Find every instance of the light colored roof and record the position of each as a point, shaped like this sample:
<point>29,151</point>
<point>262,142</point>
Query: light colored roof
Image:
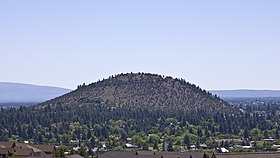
<point>6,144</point>
<point>44,147</point>
<point>128,145</point>
<point>21,145</point>
<point>6,150</point>
<point>224,150</point>
<point>36,150</point>
<point>247,147</point>
<point>23,152</point>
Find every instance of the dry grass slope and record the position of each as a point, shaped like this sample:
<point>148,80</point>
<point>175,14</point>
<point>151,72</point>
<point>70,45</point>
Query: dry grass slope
<point>138,90</point>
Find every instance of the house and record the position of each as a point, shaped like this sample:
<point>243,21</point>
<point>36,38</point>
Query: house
<point>7,144</point>
<point>6,152</point>
<point>22,150</point>
<point>269,140</point>
<point>129,139</point>
<point>249,155</point>
<point>127,145</point>
<point>193,147</point>
<point>222,150</point>
<point>247,147</point>
<point>145,148</point>
<point>94,151</point>
<point>203,146</point>
<point>48,150</point>
<point>75,142</point>
<point>6,149</point>
<point>149,154</point>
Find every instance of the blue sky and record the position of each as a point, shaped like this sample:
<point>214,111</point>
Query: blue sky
<point>216,44</point>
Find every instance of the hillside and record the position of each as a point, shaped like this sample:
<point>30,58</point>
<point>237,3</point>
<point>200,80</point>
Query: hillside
<point>246,93</point>
<point>125,106</point>
<point>17,92</point>
<point>143,90</point>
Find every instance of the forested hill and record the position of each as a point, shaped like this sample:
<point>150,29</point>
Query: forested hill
<point>139,102</point>
<point>139,90</point>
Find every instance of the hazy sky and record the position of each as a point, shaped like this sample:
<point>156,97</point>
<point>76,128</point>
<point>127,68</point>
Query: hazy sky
<point>217,44</point>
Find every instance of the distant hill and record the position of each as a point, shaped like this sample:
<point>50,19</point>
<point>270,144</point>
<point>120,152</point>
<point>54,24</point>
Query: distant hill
<point>17,92</point>
<point>139,90</point>
<point>134,102</point>
<point>246,93</point>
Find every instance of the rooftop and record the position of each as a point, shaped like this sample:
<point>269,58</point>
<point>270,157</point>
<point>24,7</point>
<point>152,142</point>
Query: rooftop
<point>149,154</point>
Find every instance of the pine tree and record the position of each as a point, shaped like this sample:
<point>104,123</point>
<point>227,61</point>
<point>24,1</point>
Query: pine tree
<point>199,132</point>
<point>187,140</point>
<point>155,146</point>
<point>207,134</point>
<point>170,147</point>
<point>205,155</point>
<point>277,134</point>
<point>246,134</point>
<point>213,156</point>
<point>266,134</point>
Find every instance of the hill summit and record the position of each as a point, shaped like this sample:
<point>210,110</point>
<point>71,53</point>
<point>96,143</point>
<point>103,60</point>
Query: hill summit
<point>142,90</point>
<point>124,106</point>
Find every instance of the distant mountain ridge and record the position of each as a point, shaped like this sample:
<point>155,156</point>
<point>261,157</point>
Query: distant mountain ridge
<point>18,92</point>
<point>246,93</point>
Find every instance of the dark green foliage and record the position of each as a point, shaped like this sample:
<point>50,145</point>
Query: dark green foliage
<point>155,147</point>
<point>266,134</point>
<point>277,134</point>
<point>145,98</point>
<point>199,132</point>
<point>205,155</point>
<point>133,105</point>
<point>207,134</point>
<point>163,146</point>
<point>213,156</point>
<point>170,146</point>
<point>246,134</point>
<point>187,140</point>
<point>59,152</point>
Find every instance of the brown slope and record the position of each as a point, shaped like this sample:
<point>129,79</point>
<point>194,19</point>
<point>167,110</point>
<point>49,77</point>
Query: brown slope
<point>139,90</point>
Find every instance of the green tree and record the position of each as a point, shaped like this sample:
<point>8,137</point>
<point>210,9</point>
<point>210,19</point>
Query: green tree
<point>59,152</point>
<point>92,142</point>
<point>277,133</point>
<point>163,146</point>
<point>246,134</point>
<point>65,138</point>
<point>83,152</point>
<point>155,146</point>
<point>266,134</point>
<point>187,140</point>
<point>205,155</point>
<point>199,132</point>
<point>213,156</point>
<point>207,134</point>
<point>170,147</point>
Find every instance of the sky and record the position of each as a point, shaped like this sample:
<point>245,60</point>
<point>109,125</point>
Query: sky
<point>216,44</point>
